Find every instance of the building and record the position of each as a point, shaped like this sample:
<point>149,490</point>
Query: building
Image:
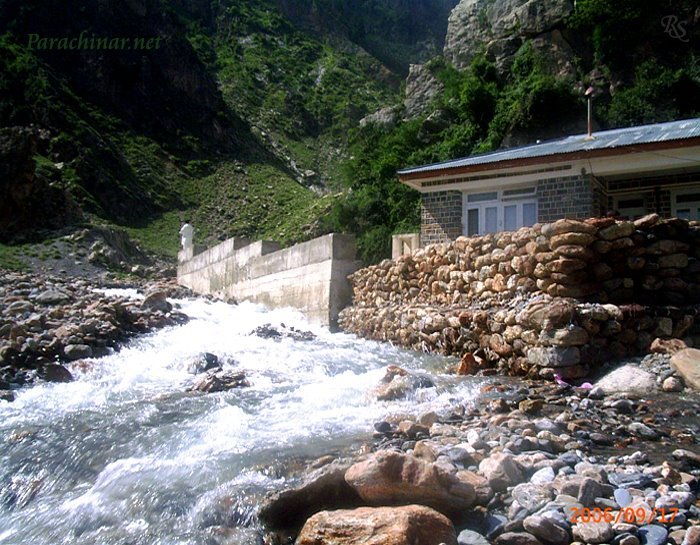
<point>634,171</point>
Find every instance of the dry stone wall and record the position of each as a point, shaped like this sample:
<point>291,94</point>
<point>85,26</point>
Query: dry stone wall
<point>550,299</point>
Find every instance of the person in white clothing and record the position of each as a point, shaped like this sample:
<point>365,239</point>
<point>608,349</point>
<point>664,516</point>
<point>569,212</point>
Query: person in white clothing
<point>186,235</point>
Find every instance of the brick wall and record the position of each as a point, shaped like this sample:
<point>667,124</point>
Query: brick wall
<point>572,197</point>
<point>441,216</point>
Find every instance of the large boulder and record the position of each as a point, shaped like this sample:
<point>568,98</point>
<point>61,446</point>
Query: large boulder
<point>392,478</point>
<point>406,525</point>
<point>220,381</point>
<point>322,489</point>
<point>687,363</point>
<point>628,379</point>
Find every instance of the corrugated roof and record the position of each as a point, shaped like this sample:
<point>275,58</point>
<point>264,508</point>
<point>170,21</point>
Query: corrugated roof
<point>615,138</point>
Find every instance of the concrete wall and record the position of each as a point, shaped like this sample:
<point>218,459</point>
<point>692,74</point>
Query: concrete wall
<point>311,276</point>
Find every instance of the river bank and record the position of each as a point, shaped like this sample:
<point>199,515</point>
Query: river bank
<point>529,462</point>
<point>49,320</point>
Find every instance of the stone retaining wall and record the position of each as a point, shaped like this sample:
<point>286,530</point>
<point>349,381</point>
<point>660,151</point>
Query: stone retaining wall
<point>553,298</point>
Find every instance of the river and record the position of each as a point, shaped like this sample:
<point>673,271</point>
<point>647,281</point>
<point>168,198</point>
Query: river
<point>124,455</point>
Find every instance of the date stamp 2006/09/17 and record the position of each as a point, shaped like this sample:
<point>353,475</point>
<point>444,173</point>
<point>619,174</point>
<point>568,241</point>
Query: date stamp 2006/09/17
<point>629,515</point>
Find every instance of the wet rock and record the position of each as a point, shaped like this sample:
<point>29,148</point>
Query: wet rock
<point>323,489</point>
<point>220,381</point>
<point>204,362</point>
<point>399,383</point>
<point>77,351</point>
<point>501,471</point>
<point>156,301</point>
<point>687,363</point>
<point>379,526</point>
<point>53,372</point>
<point>687,456</point>
<point>642,430</point>
<point>268,331</point>
<point>672,384</point>
<point>593,532</point>
<point>391,478</point>
<point>7,395</point>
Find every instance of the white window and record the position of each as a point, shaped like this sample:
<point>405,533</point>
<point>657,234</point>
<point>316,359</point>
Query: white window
<point>686,204</point>
<point>494,211</point>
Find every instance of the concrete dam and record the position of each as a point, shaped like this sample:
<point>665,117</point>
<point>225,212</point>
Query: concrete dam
<point>311,276</point>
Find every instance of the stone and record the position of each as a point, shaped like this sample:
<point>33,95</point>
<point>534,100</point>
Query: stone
<point>578,239</point>
<point>673,261</point>
<point>74,352</point>
<point>392,478</point>
<point>546,530</point>
<point>220,381</point>
<point>322,489</point>
<point>501,471</point>
<point>548,314</point>
<point>554,356</point>
<point>629,480</point>
<point>531,406</point>
<point>531,496</point>
<point>52,297</point>
<point>517,538</point>
<point>7,395</point>
<point>53,372</point>
<point>593,532</point>
<point>202,363</point>
<point>626,539</point>
<point>421,87</point>
<point>156,301</point>
<point>406,525</point>
<point>569,336</point>
<point>622,497</point>
<point>642,430</point>
<point>652,534</point>
<point>619,230</point>
<point>687,456</point>
<point>567,226</point>
<point>628,379</point>
<point>667,346</point>
<point>692,536</point>
<point>543,476</point>
<point>398,383</point>
<point>588,491</point>
<point>470,537</point>
<point>687,364</point>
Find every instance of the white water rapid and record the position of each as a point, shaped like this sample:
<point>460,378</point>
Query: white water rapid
<point>124,455</point>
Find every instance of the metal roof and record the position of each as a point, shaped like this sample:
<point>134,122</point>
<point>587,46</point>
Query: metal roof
<point>615,138</point>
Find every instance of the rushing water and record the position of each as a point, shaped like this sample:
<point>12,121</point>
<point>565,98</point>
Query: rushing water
<point>124,455</point>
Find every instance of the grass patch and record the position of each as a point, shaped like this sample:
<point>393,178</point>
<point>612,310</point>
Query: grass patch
<point>13,257</point>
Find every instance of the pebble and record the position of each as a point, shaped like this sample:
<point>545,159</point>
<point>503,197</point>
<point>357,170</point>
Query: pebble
<point>652,534</point>
<point>470,537</point>
<point>623,497</point>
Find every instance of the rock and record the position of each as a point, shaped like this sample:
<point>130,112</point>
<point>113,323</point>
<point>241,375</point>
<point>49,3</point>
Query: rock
<point>692,536</point>
<point>543,476</point>
<point>7,395</point>
<point>554,356</point>
<point>687,363</point>
<point>652,534</point>
<point>399,383</point>
<point>421,87</point>
<point>204,362</point>
<point>323,489</point>
<point>220,381</point>
<point>156,300</point>
<point>623,497</point>
<point>629,480</point>
<point>687,456</point>
<point>628,379</point>
<point>569,336</point>
<point>531,496</point>
<point>531,406</point>
<point>408,525</point>
<point>642,430</point>
<point>385,118</point>
<point>53,372</point>
<point>52,297</point>
<point>547,531</point>
<point>593,532</point>
<point>672,384</point>
<point>501,471</point>
<point>517,538</point>
<point>618,230</point>
<point>74,352</point>
<point>392,478</point>
<point>667,346</point>
<point>588,491</point>
<point>470,537</point>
